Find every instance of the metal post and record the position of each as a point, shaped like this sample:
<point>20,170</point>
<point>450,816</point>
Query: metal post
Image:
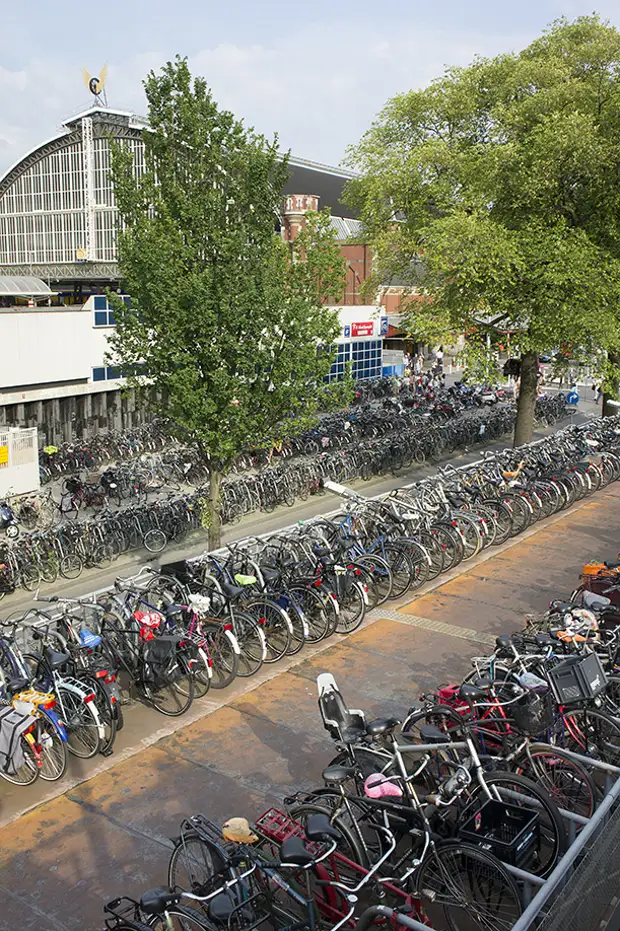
<point>89,188</point>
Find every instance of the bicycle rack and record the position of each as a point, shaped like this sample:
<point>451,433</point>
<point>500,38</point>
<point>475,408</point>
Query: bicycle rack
<point>537,891</point>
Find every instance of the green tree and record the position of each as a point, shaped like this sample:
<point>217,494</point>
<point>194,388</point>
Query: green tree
<point>496,189</point>
<point>226,327</point>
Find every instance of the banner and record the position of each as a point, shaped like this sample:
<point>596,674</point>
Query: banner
<point>362,329</point>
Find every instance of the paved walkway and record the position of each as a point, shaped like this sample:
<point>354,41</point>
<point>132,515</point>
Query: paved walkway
<point>108,835</point>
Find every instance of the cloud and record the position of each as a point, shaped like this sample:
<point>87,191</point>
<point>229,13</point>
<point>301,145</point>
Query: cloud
<point>318,88</point>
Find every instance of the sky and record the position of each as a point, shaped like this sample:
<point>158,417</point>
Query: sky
<point>315,73</point>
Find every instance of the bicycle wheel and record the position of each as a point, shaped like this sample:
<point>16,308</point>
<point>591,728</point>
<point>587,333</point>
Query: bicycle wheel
<point>29,577</point>
<point>155,540</point>
<point>352,608</point>
<point>54,755</point>
<point>381,575</point>
<point>173,693</point>
<point>71,566</point>
<point>200,667</point>
<point>252,644</point>
<point>193,864</point>
<point>592,733</point>
<point>276,626</point>
<point>48,569</point>
<point>81,721</point>
<point>107,713</point>
<point>401,568</point>
<point>567,781</point>
<point>222,648</point>
<point>311,603</point>
<point>468,889</point>
<point>25,774</point>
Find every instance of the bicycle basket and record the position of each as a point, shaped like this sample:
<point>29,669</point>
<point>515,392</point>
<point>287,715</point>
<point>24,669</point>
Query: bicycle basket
<point>510,832</point>
<point>533,714</point>
<point>577,678</point>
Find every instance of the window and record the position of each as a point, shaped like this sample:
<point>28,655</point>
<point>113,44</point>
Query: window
<point>99,373</point>
<point>104,315</point>
<point>343,356</point>
<point>113,371</point>
<point>367,359</point>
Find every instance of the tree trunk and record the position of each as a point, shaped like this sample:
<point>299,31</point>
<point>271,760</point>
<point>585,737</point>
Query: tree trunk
<point>213,510</point>
<point>524,425</point>
<point>609,409</point>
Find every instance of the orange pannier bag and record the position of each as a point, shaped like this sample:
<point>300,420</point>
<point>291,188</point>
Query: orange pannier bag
<point>599,569</point>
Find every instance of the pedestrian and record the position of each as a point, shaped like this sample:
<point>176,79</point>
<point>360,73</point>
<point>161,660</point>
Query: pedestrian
<point>597,393</point>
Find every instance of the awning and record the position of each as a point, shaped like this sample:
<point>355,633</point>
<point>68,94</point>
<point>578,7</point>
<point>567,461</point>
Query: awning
<point>24,286</point>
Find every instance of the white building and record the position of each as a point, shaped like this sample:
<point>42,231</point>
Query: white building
<point>58,245</point>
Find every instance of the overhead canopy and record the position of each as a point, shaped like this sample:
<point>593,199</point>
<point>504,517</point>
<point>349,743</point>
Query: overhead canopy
<point>24,286</point>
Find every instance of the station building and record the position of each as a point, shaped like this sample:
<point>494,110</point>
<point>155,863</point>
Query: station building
<point>58,257</point>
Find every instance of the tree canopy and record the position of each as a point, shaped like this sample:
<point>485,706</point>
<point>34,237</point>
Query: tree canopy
<point>226,322</point>
<point>502,178</point>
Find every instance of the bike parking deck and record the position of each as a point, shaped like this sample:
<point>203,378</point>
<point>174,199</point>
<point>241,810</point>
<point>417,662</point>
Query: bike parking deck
<point>109,835</point>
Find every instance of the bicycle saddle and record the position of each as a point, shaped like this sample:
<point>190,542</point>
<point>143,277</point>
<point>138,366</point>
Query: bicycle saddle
<point>471,692</point>
<point>221,907</point>
<point>337,774</point>
<point>270,575</point>
<point>232,591</point>
<point>156,901</point>
<point>431,734</point>
<point>174,610</point>
<point>543,640</point>
<point>562,607</point>
<point>483,683</point>
<point>504,642</point>
<point>16,685</point>
<point>319,828</point>
<point>293,850</point>
<point>56,660</point>
<point>612,564</point>
<point>381,726</point>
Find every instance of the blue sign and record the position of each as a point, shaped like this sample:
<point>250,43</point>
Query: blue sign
<point>347,331</point>
<point>384,326</point>
<point>572,397</point>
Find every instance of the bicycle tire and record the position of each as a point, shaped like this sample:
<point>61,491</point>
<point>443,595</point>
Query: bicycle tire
<point>252,645</point>
<point>155,540</point>
<point>276,626</point>
<point>314,611</point>
<point>567,781</point>
<point>192,871</point>
<point>352,609</point>
<point>71,566</point>
<point>28,772</point>
<point>485,884</point>
<point>81,723</point>
<point>181,695</point>
<point>55,756</point>
<point>224,658</point>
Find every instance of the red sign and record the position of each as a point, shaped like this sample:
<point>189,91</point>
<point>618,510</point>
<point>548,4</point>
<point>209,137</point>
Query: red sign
<point>362,329</point>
